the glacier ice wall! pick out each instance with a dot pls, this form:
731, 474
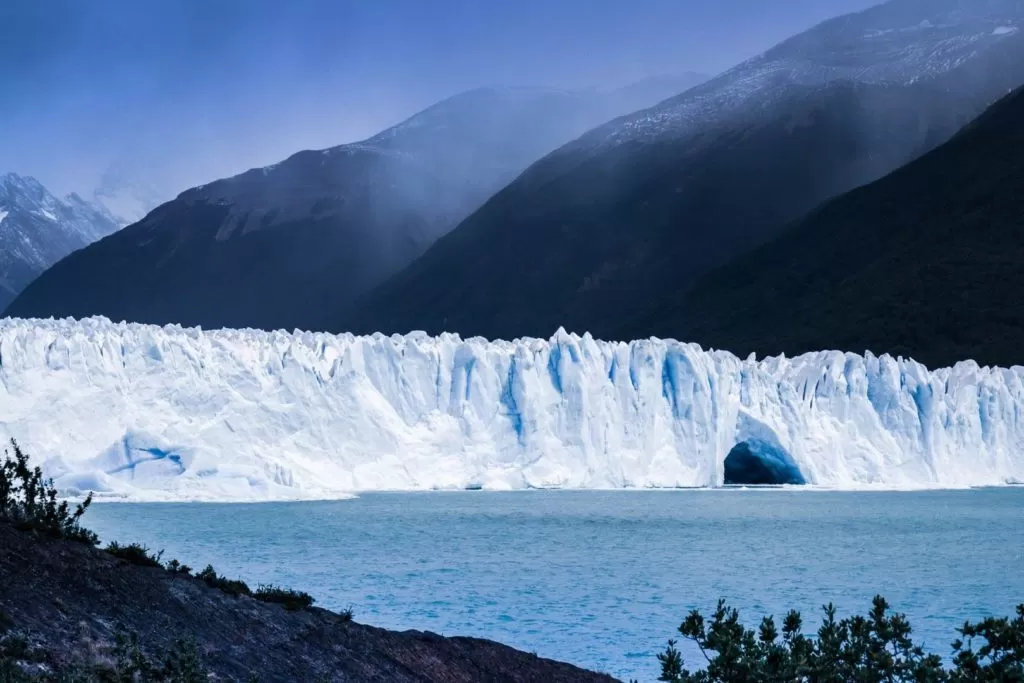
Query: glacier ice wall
169, 413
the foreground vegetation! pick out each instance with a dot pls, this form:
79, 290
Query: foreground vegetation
30, 503
876, 648
21, 662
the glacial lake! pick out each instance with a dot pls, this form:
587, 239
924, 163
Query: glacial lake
603, 579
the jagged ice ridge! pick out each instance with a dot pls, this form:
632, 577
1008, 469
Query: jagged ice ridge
147, 413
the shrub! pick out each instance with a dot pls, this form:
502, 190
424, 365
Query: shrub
873, 648
1000, 656
290, 599
10, 672
29, 501
136, 554
130, 664
15, 645
224, 584
346, 615
182, 664
176, 567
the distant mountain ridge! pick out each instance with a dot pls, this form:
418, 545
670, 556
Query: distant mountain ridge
286, 245
609, 229
37, 229
900, 41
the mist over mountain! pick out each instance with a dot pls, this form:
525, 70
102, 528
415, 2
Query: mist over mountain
185, 92
127, 193
608, 231
37, 229
285, 246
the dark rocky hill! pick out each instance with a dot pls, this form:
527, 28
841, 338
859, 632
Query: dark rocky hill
928, 262
289, 245
63, 604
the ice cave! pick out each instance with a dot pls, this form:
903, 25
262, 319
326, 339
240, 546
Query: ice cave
759, 463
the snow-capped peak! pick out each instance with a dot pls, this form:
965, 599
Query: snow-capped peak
37, 229
900, 41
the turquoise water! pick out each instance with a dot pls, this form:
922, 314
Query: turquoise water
602, 579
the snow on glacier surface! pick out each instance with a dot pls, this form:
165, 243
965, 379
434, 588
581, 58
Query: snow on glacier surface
146, 412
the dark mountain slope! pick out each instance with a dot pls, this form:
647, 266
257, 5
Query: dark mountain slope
278, 246
634, 212
70, 601
607, 235
927, 262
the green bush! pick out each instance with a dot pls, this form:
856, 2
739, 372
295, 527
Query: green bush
15, 645
291, 600
876, 648
29, 502
136, 554
224, 584
181, 664
127, 663
176, 567
10, 672
130, 663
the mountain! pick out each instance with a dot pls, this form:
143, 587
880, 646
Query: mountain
654, 89
152, 413
607, 230
286, 246
927, 262
126, 194
38, 229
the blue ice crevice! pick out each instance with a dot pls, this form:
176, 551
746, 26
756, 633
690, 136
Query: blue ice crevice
136, 451
510, 402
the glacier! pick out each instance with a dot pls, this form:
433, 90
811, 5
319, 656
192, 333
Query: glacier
142, 412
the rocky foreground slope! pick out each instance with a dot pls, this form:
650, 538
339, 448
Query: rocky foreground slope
70, 601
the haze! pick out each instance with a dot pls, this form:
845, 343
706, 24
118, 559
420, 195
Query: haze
172, 93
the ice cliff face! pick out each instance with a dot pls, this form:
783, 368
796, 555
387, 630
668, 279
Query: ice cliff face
170, 413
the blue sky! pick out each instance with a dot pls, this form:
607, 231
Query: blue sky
183, 91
